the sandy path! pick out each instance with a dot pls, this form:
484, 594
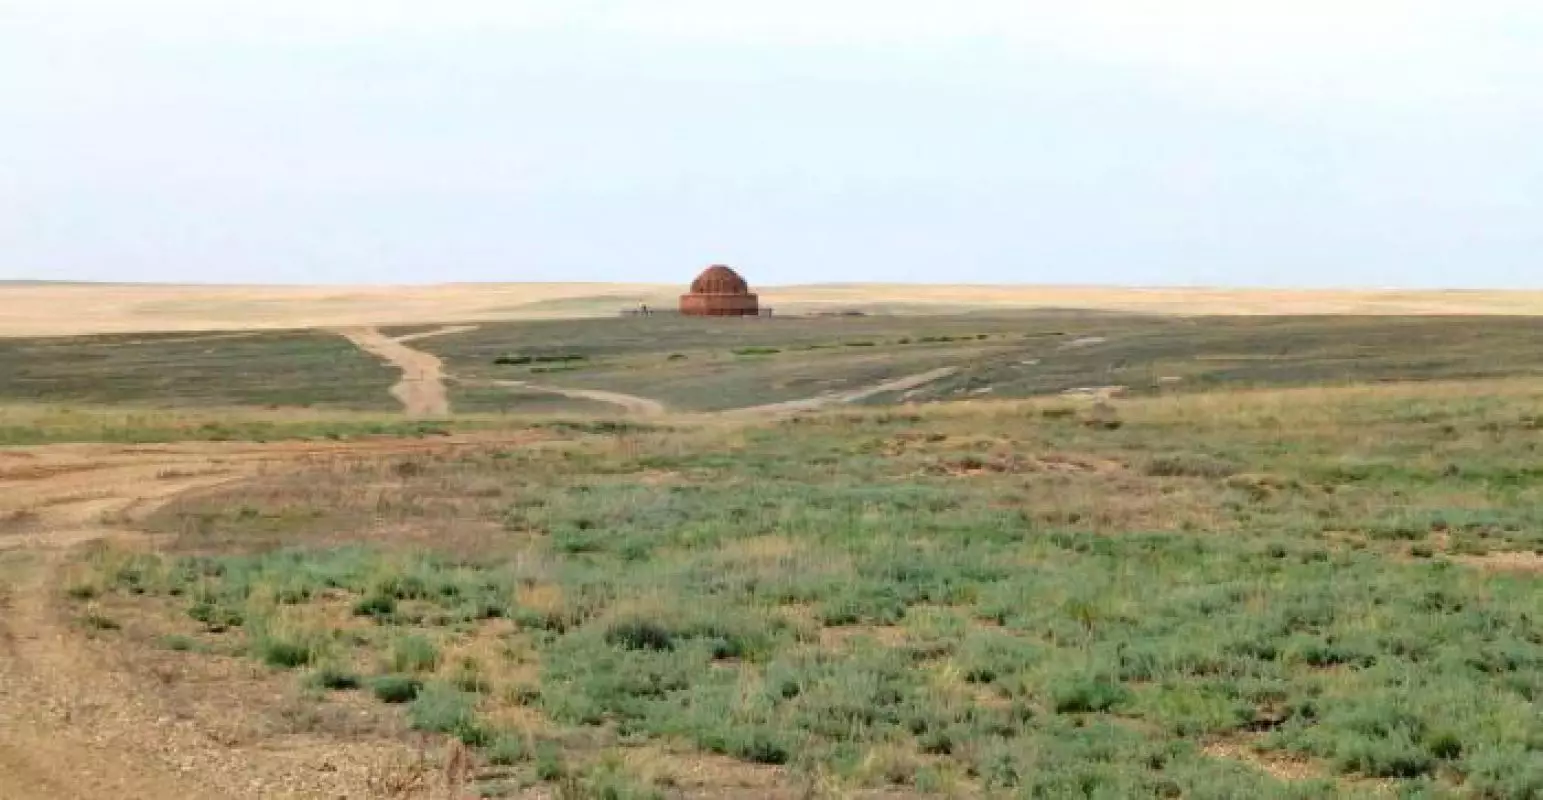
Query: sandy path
77, 721
422, 387
448, 330
632, 404
642, 406
852, 396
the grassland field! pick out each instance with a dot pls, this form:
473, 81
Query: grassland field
1299, 558
696, 365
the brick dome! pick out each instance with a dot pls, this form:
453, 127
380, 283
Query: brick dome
719, 292
719, 279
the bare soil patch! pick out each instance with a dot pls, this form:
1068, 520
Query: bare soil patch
1276, 766
126, 718
1531, 563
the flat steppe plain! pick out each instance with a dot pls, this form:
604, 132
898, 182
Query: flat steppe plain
61, 309
482, 541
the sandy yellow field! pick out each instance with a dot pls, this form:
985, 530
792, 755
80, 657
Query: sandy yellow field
63, 309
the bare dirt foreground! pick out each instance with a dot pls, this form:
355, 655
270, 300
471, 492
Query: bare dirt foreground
78, 719
28, 309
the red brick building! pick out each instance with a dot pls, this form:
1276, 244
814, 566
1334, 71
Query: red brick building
720, 292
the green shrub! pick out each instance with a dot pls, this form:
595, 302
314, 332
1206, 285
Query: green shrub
283, 653
1385, 758
761, 747
1089, 695
375, 605
1446, 745
508, 750
442, 708
640, 635
525, 360
396, 688
549, 763
335, 679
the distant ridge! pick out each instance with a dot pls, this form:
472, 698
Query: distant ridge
28, 282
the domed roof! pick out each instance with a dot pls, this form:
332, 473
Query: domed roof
719, 279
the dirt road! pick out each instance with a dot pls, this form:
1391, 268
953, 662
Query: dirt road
422, 387
448, 330
632, 404
904, 384
643, 406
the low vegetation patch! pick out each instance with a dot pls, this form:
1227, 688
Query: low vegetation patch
1088, 615
521, 360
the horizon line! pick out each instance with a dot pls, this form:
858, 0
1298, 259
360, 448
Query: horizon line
17, 282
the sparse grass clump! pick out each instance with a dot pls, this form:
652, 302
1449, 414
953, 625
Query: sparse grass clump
179, 644
100, 622
1190, 465
414, 654
508, 750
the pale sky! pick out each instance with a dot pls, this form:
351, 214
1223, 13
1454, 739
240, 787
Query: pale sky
1369, 143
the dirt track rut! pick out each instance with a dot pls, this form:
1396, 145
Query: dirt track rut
632, 404
902, 384
422, 387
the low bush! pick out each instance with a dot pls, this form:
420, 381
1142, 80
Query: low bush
396, 688
1088, 696
335, 679
442, 708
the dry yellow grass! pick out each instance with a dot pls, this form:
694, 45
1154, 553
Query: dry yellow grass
59, 309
